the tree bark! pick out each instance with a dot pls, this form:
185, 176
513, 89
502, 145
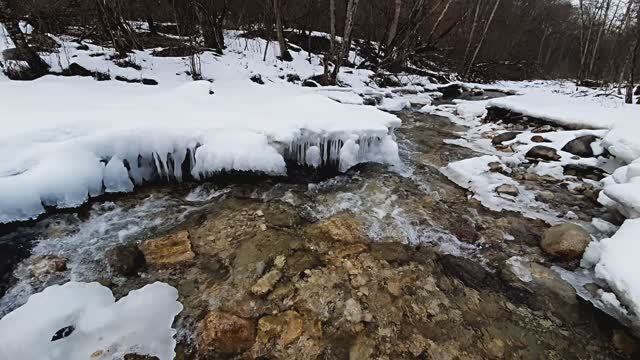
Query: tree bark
435, 25
484, 35
277, 11
37, 66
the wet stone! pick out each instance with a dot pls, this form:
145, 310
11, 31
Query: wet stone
468, 271
507, 189
505, 136
543, 153
225, 333
126, 260
566, 241
581, 146
170, 250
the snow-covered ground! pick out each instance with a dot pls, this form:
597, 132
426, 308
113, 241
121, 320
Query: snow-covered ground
66, 139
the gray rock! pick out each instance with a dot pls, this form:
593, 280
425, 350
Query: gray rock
505, 136
566, 241
543, 153
581, 146
495, 166
507, 190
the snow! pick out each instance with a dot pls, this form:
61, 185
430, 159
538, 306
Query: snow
66, 139
474, 174
103, 329
615, 260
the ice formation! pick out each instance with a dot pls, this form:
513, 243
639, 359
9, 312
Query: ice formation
79, 321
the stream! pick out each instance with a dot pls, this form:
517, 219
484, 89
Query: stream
433, 273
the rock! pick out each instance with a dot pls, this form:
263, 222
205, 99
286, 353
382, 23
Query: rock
125, 260
310, 83
584, 171
451, 91
286, 327
43, 266
567, 241
169, 250
542, 129
505, 136
225, 333
140, 357
280, 261
581, 146
265, 284
623, 342
257, 78
341, 228
539, 139
77, 70
353, 311
495, 166
506, 189
292, 78
637, 92
469, 272
543, 153
391, 252
545, 196
146, 81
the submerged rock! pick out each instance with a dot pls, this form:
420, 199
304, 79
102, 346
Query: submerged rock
43, 266
581, 146
225, 333
125, 260
342, 227
543, 153
539, 139
170, 250
265, 284
566, 241
468, 271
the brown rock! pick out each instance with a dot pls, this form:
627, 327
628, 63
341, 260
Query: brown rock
538, 139
285, 327
543, 153
43, 266
170, 250
225, 333
567, 241
495, 166
624, 343
265, 284
505, 136
342, 227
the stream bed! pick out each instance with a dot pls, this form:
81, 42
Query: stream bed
379, 262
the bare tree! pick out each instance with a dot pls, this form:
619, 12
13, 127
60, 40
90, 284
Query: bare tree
472, 32
484, 35
277, 11
343, 52
435, 25
393, 29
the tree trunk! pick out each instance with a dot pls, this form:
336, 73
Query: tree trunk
277, 11
37, 66
472, 32
352, 7
435, 26
484, 35
393, 29
605, 16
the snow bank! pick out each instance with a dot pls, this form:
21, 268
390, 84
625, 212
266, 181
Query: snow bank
616, 262
565, 110
79, 321
59, 146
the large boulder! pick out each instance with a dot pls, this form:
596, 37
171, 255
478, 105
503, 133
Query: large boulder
581, 146
170, 250
540, 152
225, 333
505, 136
566, 241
